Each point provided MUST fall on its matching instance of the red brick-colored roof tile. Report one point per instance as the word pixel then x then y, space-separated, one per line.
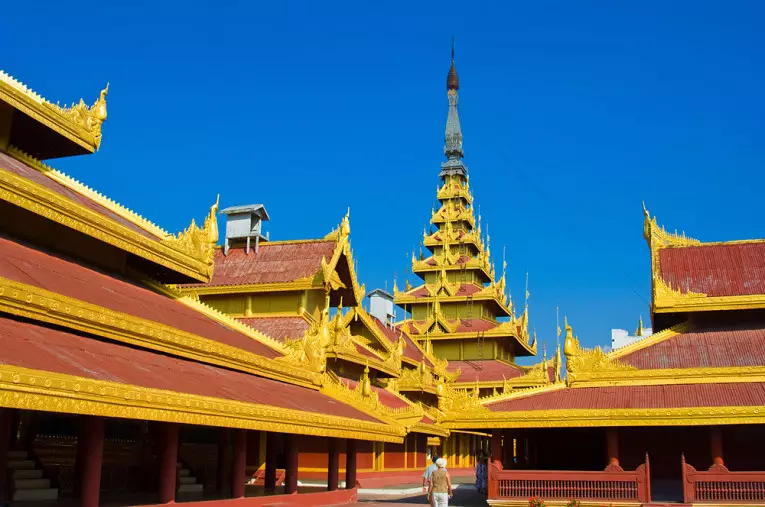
pixel 485 370
pixel 40 348
pixel 30 173
pixel 27 265
pixel 278 328
pixel 640 397
pixel 734 269
pixel 719 346
pixel 273 263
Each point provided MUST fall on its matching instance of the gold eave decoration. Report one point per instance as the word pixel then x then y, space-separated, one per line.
pixel 27 389
pixel 578 418
pixel 45 306
pixel 583 363
pixel 79 122
pixel 329 268
pixel 300 284
pixel 189 255
pixel 365 399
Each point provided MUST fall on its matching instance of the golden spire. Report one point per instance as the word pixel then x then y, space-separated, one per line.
pixel 639 331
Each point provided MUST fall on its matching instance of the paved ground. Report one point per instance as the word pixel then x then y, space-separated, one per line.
pixel 464 496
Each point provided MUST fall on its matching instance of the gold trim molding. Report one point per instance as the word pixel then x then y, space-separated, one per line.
pixel 45 306
pixel 27 389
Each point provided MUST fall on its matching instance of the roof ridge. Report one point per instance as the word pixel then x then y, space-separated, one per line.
pixel 522 393
pixel 88 192
pixel 653 339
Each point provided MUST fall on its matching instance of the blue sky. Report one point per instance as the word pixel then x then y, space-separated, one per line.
pixel 572 112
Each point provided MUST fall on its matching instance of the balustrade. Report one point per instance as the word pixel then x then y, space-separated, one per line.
pixel 610 485
pixel 718 484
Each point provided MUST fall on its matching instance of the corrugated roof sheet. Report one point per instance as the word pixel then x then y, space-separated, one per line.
pixel 720 346
pixel 279 328
pixel 273 263
pixel 485 370
pixel 657 396
pixel 32 174
pixel 40 348
pixel 715 270
pixel 26 265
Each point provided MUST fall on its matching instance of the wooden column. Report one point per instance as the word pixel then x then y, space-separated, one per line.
pixel 271 453
pixel 350 464
pixel 90 452
pixel 612 446
pixel 291 458
pixel 496 446
pixel 168 464
pixel 239 466
pixel 253 448
pixel 224 461
pixel 6 416
pixel 333 468
pixel 715 437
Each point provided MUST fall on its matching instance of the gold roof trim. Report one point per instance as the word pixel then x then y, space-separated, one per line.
pixel 583 418
pixel 648 341
pixel 88 192
pixel 45 306
pixel 54 392
pixel 190 253
pixel 79 122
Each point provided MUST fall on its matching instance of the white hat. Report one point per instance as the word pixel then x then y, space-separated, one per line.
pixel 440 462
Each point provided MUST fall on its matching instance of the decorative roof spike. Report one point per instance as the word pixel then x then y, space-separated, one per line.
pixel 639 331
pixel 453 138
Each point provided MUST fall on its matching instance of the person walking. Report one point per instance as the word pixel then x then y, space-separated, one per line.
pixel 440 489
pixel 428 471
pixel 481 473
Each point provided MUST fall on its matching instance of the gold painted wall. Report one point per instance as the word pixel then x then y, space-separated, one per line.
pixel 233 304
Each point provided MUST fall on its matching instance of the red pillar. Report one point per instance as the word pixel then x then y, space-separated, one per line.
pixel 240 464
pixel 6 416
pixel 333 469
pixel 350 464
pixel 224 461
pixel 496 446
pixel 90 452
pixel 168 465
pixel 612 446
pixel 291 462
pixel 715 435
pixel 271 452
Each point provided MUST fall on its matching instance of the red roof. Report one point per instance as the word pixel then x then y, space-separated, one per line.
pixel 32 174
pixel 641 397
pixel 466 289
pixel 273 263
pixel 475 325
pixel 29 266
pixel 279 328
pixel 720 346
pixel 387 398
pixel 31 346
pixel 485 370
pixel 733 269
pixel 411 351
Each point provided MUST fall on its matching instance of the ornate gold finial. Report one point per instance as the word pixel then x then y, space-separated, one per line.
pixel 639 331
pixel 569 346
pixel 557 364
pixel 657 236
pixel 197 242
pixel 366 384
pixel 87 118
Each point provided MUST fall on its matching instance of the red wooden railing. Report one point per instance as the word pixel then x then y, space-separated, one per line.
pixel 611 485
pixel 720 485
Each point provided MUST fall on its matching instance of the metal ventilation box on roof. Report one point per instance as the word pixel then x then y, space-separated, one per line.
pixel 244 223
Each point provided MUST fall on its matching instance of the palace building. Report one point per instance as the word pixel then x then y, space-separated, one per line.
pixel 139 366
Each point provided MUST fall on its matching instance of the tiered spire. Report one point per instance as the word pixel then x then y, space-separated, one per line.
pixel 453 138
pixel 461 298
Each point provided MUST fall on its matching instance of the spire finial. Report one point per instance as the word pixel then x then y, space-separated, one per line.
pixel 452 52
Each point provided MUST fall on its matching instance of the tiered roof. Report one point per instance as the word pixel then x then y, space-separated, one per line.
pixel 706 368
pixel 89 327
pixel 459 271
